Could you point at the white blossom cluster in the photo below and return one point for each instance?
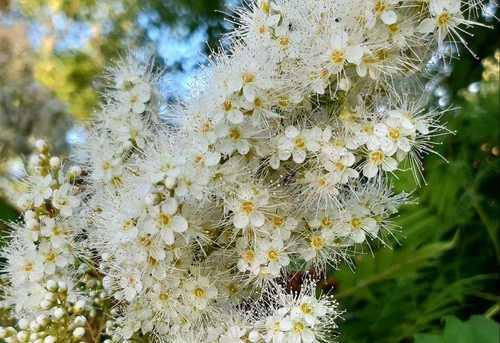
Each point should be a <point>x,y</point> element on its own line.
<point>277,164</point>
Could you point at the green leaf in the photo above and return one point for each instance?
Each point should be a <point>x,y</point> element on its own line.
<point>478,329</point>
<point>428,338</point>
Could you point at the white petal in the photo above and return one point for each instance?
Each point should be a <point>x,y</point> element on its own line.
<point>257,219</point>
<point>179,224</point>
<point>426,26</point>
<point>370,170</point>
<point>240,221</point>
<point>389,164</point>
<point>354,54</point>
<point>389,17</point>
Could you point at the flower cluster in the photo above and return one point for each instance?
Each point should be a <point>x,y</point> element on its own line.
<point>195,214</point>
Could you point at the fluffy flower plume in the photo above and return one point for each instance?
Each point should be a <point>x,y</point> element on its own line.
<point>277,164</point>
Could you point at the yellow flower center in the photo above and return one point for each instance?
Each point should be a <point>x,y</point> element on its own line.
<point>377,157</point>
<point>356,223</point>
<point>228,105</point>
<point>326,222</point>
<point>317,242</point>
<point>248,77</point>
<point>51,257</point>
<point>273,255</point>
<point>278,221</point>
<point>394,133</point>
<point>248,256</point>
<point>393,28</point>
<point>234,134</point>
<point>298,327</point>
<point>306,308</point>
<point>299,143</point>
<point>128,224</point>
<point>200,293</point>
<point>284,41</point>
<point>164,296</point>
<point>380,7</point>
<point>340,167</point>
<point>337,57</point>
<point>28,267</point>
<point>443,19</point>
<point>247,207</point>
<point>164,219</point>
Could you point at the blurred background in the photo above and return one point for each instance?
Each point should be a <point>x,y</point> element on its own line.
<point>440,284</point>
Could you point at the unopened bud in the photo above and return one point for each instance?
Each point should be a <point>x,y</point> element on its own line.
<point>78,332</point>
<point>55,162</point>
<point>49,339</point>
<point>52,285</point>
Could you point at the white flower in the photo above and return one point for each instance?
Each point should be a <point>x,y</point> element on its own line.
<point>309,309</point>
<point>135,96</point>
<point>248,261</point>
<point>280,227</point>
<point>28,266</point>
<point>231,109</point>
<point>377,160</point>
<point>52,257</point>
<point>445,16</point>
<point>247,207</point>
<point>276,327</point>
<point>236,138</point>
<point>393,136</point>
<point>274,255</point>
<point>64,200</point>
<point>41,189</point>
<point>164,220</point>
<point>340,167</point>
<point>359,223</point>
<point>300,332</point>
<point>250,77</point>
<point>130,284</point>
<point>234,334</point>
<point>342,52</point>
<point>199,292</point>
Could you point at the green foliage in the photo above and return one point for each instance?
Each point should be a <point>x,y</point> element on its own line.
<point>476,329</point>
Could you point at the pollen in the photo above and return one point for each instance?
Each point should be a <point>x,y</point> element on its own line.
<point>248,77</point>
<point>317,242</point>
<point>356,223</point>
<point>443,19</point>
<point>200,293</point>
<point>273,255</point>
<point>306,308</point>
<point>337,57</point>
<point>247,207</point>
<point>234,134</point>
<point>377,157</point>
<point>299,143</point>
<point>395,134</point>
<point>164,219</point>
<point>298,327</point>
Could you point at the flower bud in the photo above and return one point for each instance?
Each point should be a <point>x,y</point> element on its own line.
<point>58,313</point>
<point>78,332</point>
<point>55,162</point>
<point>23,324</point>
<point>62,286</point>
<point>41,145</point>
<point>80,321</point>
<point>49,339</point>
<point>52,286</point>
